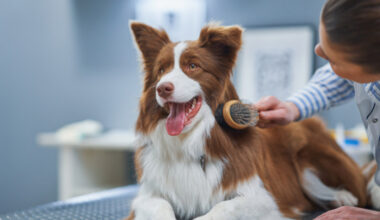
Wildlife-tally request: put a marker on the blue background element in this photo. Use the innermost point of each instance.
(63, 61)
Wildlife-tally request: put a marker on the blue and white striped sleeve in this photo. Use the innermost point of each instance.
(324, 90)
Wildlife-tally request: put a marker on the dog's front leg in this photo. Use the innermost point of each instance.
(148, 207)
(151, 208)
(242, 208)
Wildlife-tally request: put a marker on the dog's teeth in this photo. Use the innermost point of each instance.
(194, 101)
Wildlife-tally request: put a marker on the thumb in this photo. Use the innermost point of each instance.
(267, 103)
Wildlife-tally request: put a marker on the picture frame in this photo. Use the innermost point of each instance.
(275, 61)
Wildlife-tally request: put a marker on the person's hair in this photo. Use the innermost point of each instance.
(354, 26)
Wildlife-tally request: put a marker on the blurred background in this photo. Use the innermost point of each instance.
(64, 61)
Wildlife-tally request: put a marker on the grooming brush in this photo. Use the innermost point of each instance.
(236, 115)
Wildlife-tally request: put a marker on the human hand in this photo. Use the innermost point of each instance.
(351, 213)
(272, 111)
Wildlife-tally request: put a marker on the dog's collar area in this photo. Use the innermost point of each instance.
(202, 161)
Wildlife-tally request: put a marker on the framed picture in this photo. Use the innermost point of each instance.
(274, 61)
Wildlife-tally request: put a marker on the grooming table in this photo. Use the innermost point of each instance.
(111, 204)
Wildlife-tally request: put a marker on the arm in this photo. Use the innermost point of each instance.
(347, 212)
(323, 91)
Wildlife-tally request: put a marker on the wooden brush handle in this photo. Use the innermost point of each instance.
(228, 118)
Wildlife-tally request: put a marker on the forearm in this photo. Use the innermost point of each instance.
(324, 90)
(309, 101)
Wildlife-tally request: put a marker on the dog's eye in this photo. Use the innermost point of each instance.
(193, 66)
(161, 70)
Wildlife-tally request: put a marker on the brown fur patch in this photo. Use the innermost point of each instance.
(212, 78)
(279, 155)
(150, 41)
(369, 170)
(131, 216)
(150, 111)
(138, 167)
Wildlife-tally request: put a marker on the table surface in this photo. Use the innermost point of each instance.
(112, 140)
(111, 204)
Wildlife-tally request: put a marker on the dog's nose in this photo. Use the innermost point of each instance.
(165, 89)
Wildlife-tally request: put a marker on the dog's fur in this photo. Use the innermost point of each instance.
(207, 172)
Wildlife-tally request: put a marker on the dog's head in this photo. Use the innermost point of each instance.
(183, 80)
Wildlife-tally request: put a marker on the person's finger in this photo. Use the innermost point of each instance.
(266, 103)
(277, 115)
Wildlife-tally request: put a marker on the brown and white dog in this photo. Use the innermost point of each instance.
(191, 168)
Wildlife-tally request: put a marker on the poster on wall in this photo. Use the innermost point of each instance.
(274, 61)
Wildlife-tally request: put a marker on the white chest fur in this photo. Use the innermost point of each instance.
(183, 183)
(172, 169)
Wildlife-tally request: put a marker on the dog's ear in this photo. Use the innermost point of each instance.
(149, 41)
(224, 42)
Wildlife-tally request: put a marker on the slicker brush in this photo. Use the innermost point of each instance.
(236, 115)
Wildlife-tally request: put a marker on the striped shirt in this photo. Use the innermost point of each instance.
(325, 90)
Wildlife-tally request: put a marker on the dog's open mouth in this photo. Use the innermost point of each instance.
(181, 115)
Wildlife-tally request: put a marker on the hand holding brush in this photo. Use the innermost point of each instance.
(275, 112)
(267, 112)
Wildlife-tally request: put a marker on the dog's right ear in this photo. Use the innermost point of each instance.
(149, 41)
(223, 41)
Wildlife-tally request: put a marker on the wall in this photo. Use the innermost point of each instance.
(52, 72)
(62, 61)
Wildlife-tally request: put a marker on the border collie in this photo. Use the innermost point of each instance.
(191, 168)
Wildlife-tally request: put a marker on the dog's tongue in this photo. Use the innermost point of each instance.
(176, 119)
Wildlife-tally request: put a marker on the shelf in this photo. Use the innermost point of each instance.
(113, 140)
(361, 154)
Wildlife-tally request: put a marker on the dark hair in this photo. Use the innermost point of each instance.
(354, 26)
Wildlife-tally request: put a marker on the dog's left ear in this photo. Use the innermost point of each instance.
(224, 42)
(149, 42)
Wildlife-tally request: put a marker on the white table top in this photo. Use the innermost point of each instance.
(112, 140)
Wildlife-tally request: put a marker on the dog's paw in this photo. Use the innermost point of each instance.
(160, 213)
(164, 214)
(345, 198)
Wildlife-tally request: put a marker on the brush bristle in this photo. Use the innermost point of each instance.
(244, 114)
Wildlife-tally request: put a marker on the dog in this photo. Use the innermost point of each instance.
(189, 167)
